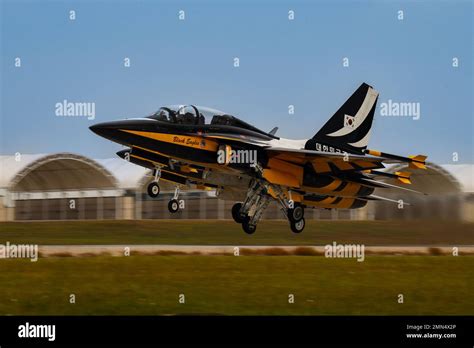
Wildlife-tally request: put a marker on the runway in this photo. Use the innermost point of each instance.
(122, 250)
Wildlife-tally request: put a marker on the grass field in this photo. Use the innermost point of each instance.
(212, 232)
(245, 285)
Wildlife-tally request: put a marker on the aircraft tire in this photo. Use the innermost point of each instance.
(153, 189)
(247, 227)
(173, 206)
(298, 226)
(236, 213)
(297, 213)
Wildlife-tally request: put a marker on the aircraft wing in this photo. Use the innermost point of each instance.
(325, 162)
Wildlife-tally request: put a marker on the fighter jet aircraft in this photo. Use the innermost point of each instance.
(209, 149)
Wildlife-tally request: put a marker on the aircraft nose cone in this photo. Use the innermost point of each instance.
(104, 129)
(96, 128)
(119, 131)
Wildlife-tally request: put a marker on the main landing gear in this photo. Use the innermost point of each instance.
(249, 212)
(296, 218)
(153, 189)
(236, 214)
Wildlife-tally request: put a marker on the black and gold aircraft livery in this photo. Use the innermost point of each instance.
(208, 149)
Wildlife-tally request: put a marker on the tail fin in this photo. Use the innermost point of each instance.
(349, 128)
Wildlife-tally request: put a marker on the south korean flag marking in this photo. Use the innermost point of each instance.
(349, 121)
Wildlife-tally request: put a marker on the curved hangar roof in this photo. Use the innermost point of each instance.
(67, 171)
(127, 174)
(439, 179)
(62, 171)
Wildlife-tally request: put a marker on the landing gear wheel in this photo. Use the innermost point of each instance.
(298, 226)
(173, 206)
(247, 227)
(236, 215)
(297, 213)
(153, 189)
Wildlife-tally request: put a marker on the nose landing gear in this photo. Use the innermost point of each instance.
(174, 205)
(153, 188)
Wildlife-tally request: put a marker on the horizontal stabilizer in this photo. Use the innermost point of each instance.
(419, 158)
(417, 162)
(414, 162)
(403, 177)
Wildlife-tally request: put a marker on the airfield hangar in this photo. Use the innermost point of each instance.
(66, 186)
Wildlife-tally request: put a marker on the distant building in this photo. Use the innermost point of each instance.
(66, 186)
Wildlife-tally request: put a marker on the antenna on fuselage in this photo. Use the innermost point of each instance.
(273, 131)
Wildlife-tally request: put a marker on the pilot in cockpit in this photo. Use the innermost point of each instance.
(201, 120)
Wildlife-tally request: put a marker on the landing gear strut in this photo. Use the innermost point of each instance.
(293, 211)
(251, 210)
(256, 201)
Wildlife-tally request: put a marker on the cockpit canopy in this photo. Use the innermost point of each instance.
(186, 114)
(198, 115)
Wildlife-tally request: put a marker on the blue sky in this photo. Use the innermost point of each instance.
(282, 62)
